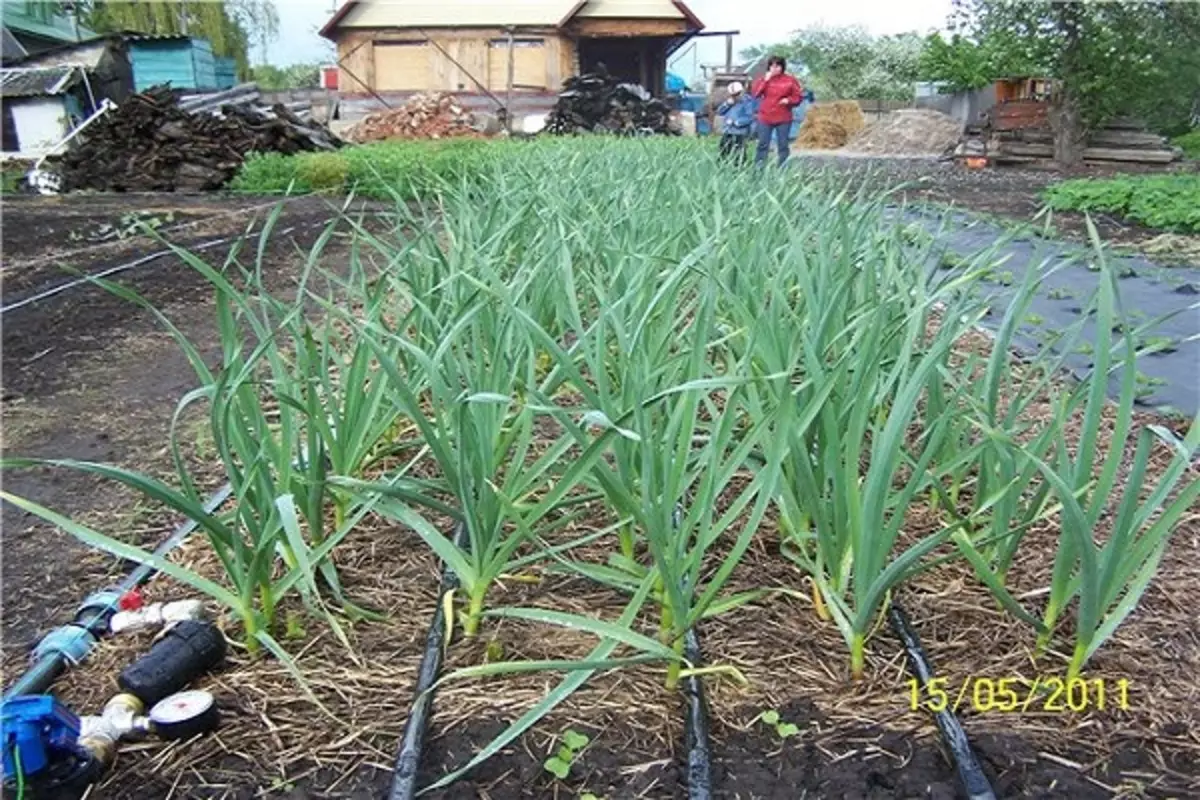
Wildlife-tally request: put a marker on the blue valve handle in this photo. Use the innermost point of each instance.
(34, 729)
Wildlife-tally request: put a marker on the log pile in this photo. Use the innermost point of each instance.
(1021, 134)
(424, 116)
(150, 144)
(595, 103)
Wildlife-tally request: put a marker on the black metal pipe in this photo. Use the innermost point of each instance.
(92, 619)
(970, 774)
(408, 756)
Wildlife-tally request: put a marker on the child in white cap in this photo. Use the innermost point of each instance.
(738, 110)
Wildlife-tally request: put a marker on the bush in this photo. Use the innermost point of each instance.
(322, 171)
(1165, 202)
(1190, 142)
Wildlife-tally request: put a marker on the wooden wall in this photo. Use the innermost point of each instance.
(392, 59)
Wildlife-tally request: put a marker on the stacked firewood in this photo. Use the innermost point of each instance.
(423, 116)
(595, 103)
(150, 144)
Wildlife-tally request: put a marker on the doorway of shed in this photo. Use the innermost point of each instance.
(629, 59)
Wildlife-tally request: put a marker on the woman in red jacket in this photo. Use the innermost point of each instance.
(778, 93)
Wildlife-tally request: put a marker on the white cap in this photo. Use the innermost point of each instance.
(736, 88)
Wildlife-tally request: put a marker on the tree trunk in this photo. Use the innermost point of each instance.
(1066, 121)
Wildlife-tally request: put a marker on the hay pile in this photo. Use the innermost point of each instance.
(828, 126)
(909, 131)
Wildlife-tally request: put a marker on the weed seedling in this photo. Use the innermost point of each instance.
(1035, 319)
(782, 729)
(560, 764)
(1060, 293)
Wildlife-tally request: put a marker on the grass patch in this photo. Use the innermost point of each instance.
(1164, 202)
(1190, 143)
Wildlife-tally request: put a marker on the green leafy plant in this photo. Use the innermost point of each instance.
(782, 729)
(1164, 202)
(572, 744)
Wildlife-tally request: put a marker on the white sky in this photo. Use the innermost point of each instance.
(760, 21)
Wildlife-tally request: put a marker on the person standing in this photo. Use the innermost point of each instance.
(778, 94)
(738, 113)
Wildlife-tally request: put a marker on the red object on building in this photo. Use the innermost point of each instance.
(329, 77)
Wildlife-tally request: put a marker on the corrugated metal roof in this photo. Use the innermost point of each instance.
(88, 54)
(43, 82)
(497, 13)
(10, 48)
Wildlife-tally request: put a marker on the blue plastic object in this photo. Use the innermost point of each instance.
(675, 84)
(73, 642)
(35, 727)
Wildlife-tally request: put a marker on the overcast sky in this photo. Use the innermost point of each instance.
(760, 22)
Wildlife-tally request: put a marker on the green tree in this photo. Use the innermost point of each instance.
(228, 25)
(297, 76)
(848, 62)
(1106, 59)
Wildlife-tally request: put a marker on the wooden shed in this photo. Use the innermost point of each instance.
(463, 46)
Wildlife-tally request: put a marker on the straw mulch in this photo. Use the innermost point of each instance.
(909, 131)
(828, 126)
(273, 737)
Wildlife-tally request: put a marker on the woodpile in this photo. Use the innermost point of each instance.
(595, 103)
(150, 144)
(423, 116)
(1020, 134)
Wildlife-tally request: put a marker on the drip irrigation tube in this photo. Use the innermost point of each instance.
(969, 772)
(699, 753)
(72, 643)
(408, 756)
(696, 735)
(137, 262)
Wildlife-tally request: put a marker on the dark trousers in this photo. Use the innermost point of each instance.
(733, 146)
(780, 132)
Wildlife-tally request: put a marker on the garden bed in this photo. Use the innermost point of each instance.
(851, 738)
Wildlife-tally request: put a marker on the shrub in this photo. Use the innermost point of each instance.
(1165, 202)
(1190, 142)
(322, 171)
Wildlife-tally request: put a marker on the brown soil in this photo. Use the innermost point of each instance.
(86, 376)
(1014, 194)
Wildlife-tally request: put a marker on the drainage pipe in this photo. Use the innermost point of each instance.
(970, 774)
(408, 756)
(72, 643)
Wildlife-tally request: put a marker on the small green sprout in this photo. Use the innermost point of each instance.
(1005, 278)
(1158, 344)
(782, 729)
(1035, 319)
(1060, 293)
(560, 764)
(1085, 349)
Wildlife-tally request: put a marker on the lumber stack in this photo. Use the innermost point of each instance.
(1021, 133)
(595, 103)
(150, 144)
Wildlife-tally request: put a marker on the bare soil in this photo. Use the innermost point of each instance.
(1012, 194)
(88, 376)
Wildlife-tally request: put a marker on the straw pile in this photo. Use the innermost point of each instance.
(828, 126)
(909, 131)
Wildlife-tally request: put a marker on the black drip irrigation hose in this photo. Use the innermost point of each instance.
(92, 619)
(970, 773)
(696, 731)
(699, 752)
(408, 756)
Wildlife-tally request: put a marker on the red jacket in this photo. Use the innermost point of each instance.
(770, 91)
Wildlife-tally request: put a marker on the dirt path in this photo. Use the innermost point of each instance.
(87, 375)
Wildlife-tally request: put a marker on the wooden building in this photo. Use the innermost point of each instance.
(463, 46)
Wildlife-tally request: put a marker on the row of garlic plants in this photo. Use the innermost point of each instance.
(714, 354)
